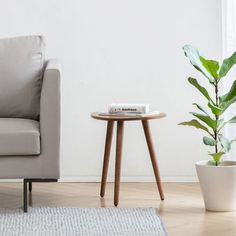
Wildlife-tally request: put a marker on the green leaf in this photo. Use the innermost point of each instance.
(225, 143)
(232, 120)
(227, 64)
(209, 141)
(193, 55)
(225, 105)
(230, 95)
(220, 122)
(222, 126)
(229, 98)
(206, 119)
(203, 91)
(217, 156)
(232, 141)
(201, 109)
(211, 66)
(195, 124)
(215, 109)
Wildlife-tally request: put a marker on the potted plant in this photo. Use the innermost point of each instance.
(217, 178)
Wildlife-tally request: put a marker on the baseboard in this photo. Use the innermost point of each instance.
(74, 179)
(176, 179)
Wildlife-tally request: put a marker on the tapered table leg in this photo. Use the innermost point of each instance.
(119, 141)
(110, 125)
(150, 145)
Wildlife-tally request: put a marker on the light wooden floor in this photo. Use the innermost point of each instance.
(182, 210)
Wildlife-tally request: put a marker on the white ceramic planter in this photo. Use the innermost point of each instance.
(218, 185)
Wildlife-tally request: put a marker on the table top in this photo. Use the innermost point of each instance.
(107, 117)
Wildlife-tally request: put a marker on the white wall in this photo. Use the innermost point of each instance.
(123, 51)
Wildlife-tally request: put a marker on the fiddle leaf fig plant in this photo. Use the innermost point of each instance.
(210, 119)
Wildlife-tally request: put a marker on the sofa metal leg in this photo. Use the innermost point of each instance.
(25, 196)
(30, 187)
(25, 192)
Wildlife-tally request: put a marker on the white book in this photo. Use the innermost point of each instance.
(128, 108)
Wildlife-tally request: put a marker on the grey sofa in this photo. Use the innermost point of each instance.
(29, 112)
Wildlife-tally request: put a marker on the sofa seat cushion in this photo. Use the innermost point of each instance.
(19, 137)
(21, 71)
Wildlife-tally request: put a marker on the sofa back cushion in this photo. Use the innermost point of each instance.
(21, 71)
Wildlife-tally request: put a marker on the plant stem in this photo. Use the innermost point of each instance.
(217, 117)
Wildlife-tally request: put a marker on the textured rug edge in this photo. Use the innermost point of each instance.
(33, 211)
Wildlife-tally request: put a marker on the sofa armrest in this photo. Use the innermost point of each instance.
(50, 120)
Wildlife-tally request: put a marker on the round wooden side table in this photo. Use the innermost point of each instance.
(120, 119)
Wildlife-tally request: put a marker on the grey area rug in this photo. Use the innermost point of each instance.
(81, 221)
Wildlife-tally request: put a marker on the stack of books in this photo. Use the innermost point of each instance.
(128, 110)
